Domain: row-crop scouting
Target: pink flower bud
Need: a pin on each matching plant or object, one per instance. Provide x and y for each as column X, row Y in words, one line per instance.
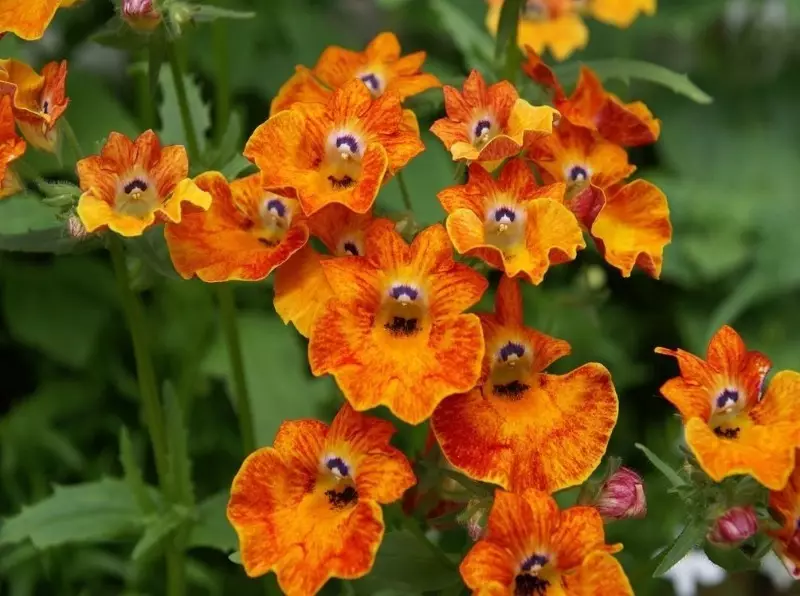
column 140, row 14
column 622, row 496
column 75, row 228
column 734, row 527
column 474, row 518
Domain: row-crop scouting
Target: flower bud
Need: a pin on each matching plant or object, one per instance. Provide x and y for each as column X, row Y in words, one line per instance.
column 140, row 14
column 733, row 527
column 622, row 496
column 474, row 518
column 75, row 228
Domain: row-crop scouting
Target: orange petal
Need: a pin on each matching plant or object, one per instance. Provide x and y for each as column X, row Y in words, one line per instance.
column 630, row 124
column 27, row 20
column 302, row 87
column 384, row 48
column 383, row 473
column 385, row 248
column 337, row 66
column 185, row 192
column 350, row 102
column 780, row 404
column 468, row 196
column 301, row 289
column 454, row 135
column 523, row 523
column 375, row 369
column 691, row 400
column 561, row 35
column 119, row 150
column 579, row 533
column 600, row 575
column 528, row 123
column 488, row 569
column 455, row 290
column 387, row 121
column 353, row 279
column 171, row 168
column 301, row 443
column 25, row 86
column 537, row 70
column 760, row 451
column 633, row 228
column 508, row 302
column 621, row 13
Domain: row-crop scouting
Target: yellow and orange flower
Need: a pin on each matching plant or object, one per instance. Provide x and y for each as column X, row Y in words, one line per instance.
column 28, row 19
column 787, row 538
column 11, row 148
column 132, row 182
column 338, row 152
column 309, row 507
column 301, row 287
column 592, row 107
column 629, row 223
column 532, row 548
column 512, row 223
column 521, row 428
column 38, row 100
column 558, row 25
column 245, row 234
column 380, row 66
column 732, row 425
column 488, row 124
column 395, row 333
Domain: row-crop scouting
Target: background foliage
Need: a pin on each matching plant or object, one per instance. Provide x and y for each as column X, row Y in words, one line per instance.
column 68, row 379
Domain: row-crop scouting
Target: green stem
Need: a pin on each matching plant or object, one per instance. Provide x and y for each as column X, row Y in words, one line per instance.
column 183, row 103
column 73, row 140
column 222, row 89
column 230, row 328
column 145, row 93
column 148, row 385
column 411, row 525
column 176, row 569
column 404, row 191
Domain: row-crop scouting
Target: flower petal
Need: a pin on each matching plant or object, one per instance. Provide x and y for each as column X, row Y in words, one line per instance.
column 634, row 227
column 488, row 569
column 171, row 167
column 523, row 523
column 301, row 443
column 385, row 248
column 27, row 20
column 600, row 575
column 301, row 289
column 96, row 176
column 579, row 533
column 302, row 87
column 780, row 404
column 96, row 213
column 621, row 13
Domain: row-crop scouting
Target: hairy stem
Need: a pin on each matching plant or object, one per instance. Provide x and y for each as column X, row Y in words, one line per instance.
column 404, row 191
column 183, row 102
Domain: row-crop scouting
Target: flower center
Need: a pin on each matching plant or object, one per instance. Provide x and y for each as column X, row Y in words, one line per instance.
column 510, row 370
column 727, row 417
column 578, row 174
column 374, row 83
column 136, row 195
column 341, row 167
column 350, row 246
column 275, row 216
column 504, row 226
column 338, row 482
column 529, row 581
column 483, row 130
column 403, row 310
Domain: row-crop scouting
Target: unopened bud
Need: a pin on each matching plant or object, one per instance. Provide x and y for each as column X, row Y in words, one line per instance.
column 474, row 518
column 622, row 496
column 734, row 527
column 75, row 228
column 140, row 14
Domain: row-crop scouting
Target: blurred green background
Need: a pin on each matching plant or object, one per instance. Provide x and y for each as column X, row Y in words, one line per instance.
column 68, row 382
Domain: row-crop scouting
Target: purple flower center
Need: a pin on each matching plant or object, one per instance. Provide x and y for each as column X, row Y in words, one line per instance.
column 348, row 141
column 505, row 215
column 276, row 207
column 512, row 349
column 578, row 174
column 534, row 562
column 482, row 127
column 397, row 292
column 351, row 248
column 727, row 398
column 372, row 81
column 135, row 184
column 337, row 465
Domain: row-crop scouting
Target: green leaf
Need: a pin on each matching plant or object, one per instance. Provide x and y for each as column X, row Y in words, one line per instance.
column 665, row 469
column 27, row 224
column 91, row 512
column 133, row 473
column 180, row 464
column 731, row 559
column 693, row 534
column 205, row 12
column 157, row 530
column 236, row 166
column 151, row 248
column 507, row 54
column 212, row 528
column 172, row 132
column 473, row 41
column 402, row 564
column 275, row 363
column 625, row 70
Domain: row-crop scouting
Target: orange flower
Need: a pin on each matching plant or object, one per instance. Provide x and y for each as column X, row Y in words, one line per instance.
column 488, row 124
column 339, row 152
column 28, row 19
column 558, row 25
column 787, row 538
column 591, row 106
column 521, row 428
column 379, row 66
column 730, row 426
column 301, row 287
column 534, row 549
column 394, row 334
column 38, row 100
column 630, row 224
column 132, row 182
column 244, row 235
column 11, row 148
column 512, row 223
column 308, row 508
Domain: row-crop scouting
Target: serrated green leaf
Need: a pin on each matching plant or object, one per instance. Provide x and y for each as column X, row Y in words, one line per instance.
column 212, row 529
column 625, row 70
column 91, row 512
column 151, row 248
column 691, row 536
column 156, row 531
column 662, row 466
column 180, row 465
column 133, row 473
column 58, row 189
column 473, row 41
column 402, row 564
column 229, row 146
column 172, row 132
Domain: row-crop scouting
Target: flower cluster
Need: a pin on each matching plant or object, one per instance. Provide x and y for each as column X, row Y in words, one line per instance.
column 557, row 25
